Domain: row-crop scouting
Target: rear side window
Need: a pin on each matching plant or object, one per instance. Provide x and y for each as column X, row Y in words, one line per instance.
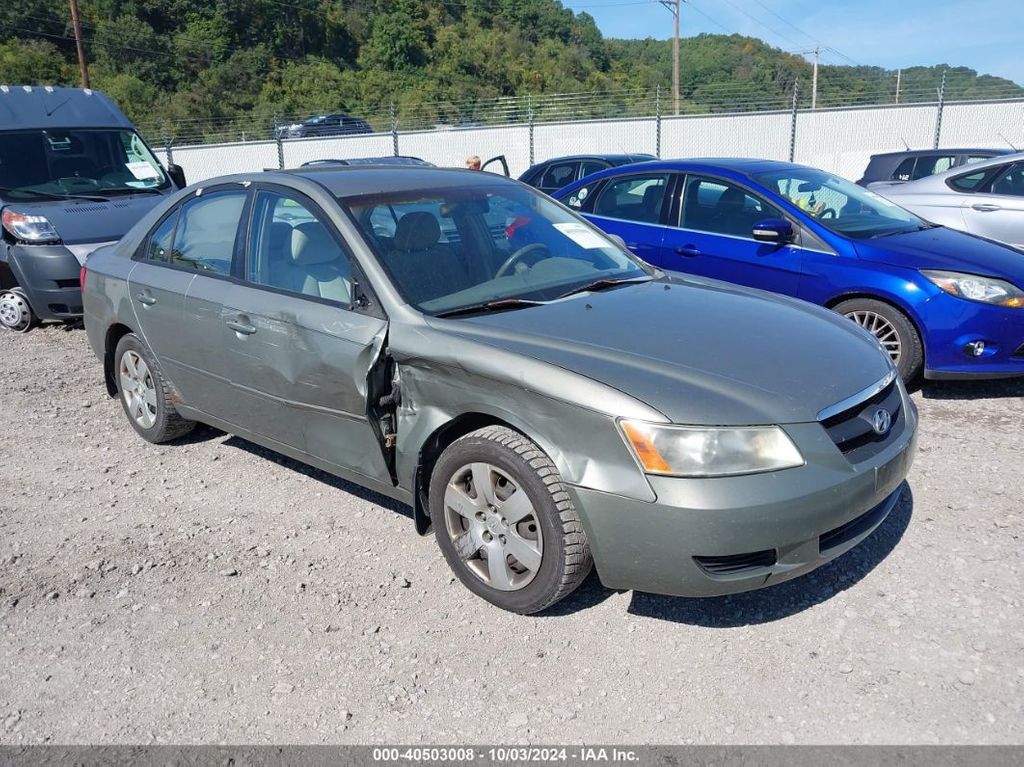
column 634, row 198
column 593, row 166
column 162, row 240
column 969, row 182
column 905, row 170
column 204, row 239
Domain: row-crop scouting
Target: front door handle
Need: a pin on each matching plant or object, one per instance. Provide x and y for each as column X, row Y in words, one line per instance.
column 146, row 298
column 241, row 327
column 986, row 207
column 688, row 250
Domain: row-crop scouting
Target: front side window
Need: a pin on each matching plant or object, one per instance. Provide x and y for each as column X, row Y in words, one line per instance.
column 204, row 239
column 839, row 205
column 633, row 198
column 557, row 176
column 1010, row 181
column 65, row 162
column 290, row 248
column 717, row 206
column 454, row 248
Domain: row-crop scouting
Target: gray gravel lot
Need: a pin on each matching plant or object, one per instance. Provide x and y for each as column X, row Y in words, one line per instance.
column 211, row 591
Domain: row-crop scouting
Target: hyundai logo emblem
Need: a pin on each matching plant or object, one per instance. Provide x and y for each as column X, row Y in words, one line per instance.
column 881, row 420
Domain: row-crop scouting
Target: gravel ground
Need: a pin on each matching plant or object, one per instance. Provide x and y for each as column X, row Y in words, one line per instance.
column 211, row 591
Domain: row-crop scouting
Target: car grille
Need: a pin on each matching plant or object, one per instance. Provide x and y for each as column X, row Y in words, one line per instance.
column 737, row 564
column 852, row 431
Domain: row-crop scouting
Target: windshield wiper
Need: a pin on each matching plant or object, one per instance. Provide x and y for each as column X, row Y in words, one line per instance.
column 498, row 305
column 54, row 196
column 604, row 283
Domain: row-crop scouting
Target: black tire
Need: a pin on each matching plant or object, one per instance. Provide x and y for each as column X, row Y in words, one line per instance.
column 911, row 351
column 167, row 423
column 565, row 554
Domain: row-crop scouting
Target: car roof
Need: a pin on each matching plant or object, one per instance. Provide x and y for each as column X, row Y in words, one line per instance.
column 939, row 179
column 942, row 150
column 742, row 165
column 25, row 107
column 355, row 180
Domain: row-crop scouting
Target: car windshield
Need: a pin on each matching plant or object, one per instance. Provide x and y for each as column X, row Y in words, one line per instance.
column 840, row 205
column 448, row 250
column 76, row 162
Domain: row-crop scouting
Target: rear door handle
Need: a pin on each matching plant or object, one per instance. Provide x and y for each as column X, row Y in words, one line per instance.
column 146, row 298
column 986, row 207
column 241, row 327
column 688, row 250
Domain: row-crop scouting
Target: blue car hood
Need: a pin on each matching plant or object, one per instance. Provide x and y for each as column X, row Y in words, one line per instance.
column 84, row 221
column 698, row 351
column 942, row 248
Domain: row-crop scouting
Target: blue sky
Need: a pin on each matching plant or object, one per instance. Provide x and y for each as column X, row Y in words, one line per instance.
column 986, row 35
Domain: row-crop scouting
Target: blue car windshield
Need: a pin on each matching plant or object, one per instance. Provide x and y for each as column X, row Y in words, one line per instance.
column 64, row 162
column 450, row 249
column 840, row 205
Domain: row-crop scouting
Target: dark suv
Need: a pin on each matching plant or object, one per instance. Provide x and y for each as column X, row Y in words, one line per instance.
column 912, row 164
column 551, row 175
column 336, row 124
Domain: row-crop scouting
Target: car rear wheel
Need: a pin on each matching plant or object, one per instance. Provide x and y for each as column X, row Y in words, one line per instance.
column 505, row 523
column 893, row 329
column 15, row 312
column 144, row 395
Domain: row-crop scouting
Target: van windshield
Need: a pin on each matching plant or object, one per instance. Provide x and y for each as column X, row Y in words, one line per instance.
column 74, row 162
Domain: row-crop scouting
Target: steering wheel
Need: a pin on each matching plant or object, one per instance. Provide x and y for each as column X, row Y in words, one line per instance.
column 517, row 256
column 828, row 213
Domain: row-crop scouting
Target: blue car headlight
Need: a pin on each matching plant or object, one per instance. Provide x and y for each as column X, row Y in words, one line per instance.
column 974, row 287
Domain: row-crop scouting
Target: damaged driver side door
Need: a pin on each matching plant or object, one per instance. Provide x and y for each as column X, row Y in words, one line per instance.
column 301, row 342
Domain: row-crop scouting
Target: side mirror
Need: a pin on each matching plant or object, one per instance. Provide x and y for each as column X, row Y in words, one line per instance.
column 777, row 230
column 177, row 175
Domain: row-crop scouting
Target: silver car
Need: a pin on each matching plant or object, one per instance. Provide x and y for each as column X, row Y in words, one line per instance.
column 985, row 198
column 544, row 400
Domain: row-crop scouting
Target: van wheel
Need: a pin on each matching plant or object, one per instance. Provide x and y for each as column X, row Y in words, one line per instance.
column 505, row 523
column 15, row 312
column 144, row 395
column 893, row 329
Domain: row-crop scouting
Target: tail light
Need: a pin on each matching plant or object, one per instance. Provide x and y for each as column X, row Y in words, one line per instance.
column 81, row 277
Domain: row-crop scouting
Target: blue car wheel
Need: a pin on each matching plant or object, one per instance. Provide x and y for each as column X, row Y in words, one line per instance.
column 894, row 331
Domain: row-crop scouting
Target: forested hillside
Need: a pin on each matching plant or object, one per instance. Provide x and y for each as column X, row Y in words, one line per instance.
column 201, row 66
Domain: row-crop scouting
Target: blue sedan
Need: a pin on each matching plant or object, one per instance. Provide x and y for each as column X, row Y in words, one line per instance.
column 939, row 301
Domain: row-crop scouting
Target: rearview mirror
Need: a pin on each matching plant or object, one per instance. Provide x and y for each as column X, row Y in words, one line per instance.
column 809, row 186
column 177, row 175
column 777, row 230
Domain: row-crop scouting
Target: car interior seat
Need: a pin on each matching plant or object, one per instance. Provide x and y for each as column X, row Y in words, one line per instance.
column 318, row 266
column 423, row 266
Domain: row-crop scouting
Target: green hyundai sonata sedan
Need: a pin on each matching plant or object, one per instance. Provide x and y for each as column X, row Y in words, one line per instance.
column 543, row 400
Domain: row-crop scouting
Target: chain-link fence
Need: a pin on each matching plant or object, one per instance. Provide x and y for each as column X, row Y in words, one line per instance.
column 839, row 138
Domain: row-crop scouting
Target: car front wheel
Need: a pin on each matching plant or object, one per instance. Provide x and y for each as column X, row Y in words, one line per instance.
column 505, row 523
column 144, row 394
column 893, row 329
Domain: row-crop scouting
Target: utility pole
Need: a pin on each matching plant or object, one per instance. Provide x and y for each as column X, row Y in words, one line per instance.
column 814, row 80
column 674, row 9
column 83, row 66
column 899, row 76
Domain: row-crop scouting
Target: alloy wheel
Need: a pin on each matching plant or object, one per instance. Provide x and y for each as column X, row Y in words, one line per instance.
column 880, row 328
column 493, row 526
column 138, row 389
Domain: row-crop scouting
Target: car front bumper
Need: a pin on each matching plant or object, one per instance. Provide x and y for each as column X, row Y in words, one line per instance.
column 953, row 324
column 49, row 276
column 709, row 537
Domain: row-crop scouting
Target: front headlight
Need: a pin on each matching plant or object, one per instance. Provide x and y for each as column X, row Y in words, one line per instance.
column 35, row 229
column 987, row 290
column 698, row 451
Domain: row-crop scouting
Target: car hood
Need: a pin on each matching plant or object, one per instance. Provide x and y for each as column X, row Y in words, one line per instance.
column 85, row 221
column 942, row 248
column 698, row 351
